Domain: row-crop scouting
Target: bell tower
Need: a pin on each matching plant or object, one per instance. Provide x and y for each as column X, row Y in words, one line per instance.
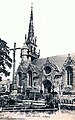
column 30, row 52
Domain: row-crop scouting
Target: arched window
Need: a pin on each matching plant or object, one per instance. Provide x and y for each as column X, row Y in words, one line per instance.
column 20, row 78
column 34, row 50
column 69, row 75
column 30, row 77
column 31, row 49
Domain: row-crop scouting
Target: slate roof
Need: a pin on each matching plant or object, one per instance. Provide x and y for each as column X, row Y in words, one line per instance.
column 57, row 60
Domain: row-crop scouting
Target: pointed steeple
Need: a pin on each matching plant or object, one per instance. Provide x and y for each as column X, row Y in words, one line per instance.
column 31, row 26
column 30, row 46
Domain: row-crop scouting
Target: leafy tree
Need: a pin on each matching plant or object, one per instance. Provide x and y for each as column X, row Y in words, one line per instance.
column 5, row 60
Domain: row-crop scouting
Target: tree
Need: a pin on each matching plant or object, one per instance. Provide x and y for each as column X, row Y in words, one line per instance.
column 5, row 60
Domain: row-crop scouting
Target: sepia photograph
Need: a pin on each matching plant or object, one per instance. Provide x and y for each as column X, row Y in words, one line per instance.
column 37, row 59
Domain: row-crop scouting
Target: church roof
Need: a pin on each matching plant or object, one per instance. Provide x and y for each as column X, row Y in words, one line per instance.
column 58, row 60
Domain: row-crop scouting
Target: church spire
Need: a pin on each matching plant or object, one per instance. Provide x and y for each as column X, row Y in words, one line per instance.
column 31, row 26
column 30, row 48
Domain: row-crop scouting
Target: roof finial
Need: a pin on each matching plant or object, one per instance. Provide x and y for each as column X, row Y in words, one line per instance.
column 31, row 6
column 32, row 11
column 69, row 55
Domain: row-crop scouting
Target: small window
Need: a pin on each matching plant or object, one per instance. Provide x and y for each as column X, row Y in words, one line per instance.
column 47, row 69
column 34, row 83
column 28, row 51
column 31, row 48
column 69, row 70
column 34, row 49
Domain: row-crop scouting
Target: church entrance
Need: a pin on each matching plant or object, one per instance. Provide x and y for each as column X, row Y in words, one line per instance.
column 47, row 85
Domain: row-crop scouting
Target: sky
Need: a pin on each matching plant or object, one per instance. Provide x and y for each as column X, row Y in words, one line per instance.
column 54, row 25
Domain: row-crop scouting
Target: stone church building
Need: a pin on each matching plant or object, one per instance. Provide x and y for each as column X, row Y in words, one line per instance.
column 46, row 74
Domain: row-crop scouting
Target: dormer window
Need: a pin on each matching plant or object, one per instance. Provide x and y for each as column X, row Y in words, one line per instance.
column 68, row 67
column 69, row 70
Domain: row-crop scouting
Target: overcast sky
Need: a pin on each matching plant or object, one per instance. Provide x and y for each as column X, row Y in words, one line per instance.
column 54, row 24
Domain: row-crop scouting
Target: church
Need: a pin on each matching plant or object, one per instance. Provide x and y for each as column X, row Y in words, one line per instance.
column 35, row 74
